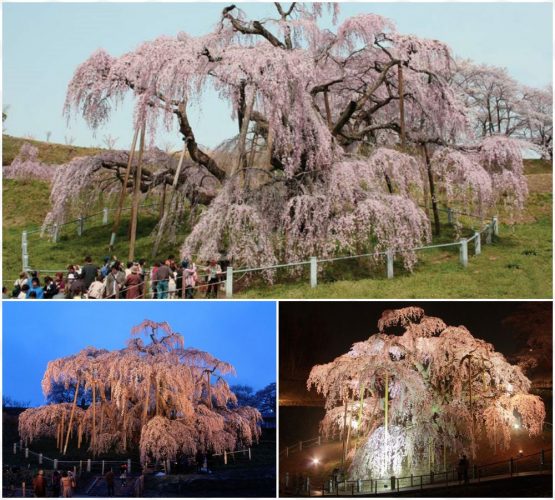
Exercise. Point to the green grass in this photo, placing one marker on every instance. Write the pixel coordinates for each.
(517, 265)
(51, 153)
(25, 206)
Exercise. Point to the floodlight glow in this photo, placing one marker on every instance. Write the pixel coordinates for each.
(315, 461)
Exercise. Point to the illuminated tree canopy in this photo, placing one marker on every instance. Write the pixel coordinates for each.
(158, 396)
(402, 401)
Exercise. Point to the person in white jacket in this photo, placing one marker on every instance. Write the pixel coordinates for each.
(96, 290)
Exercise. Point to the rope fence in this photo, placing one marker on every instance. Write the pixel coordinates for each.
(228, 278)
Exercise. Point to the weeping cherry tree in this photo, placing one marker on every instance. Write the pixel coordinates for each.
(409, 402)
(159, 397)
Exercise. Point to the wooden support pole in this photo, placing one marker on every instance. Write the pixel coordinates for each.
(136, 194)
(117, 219)
(71, 415)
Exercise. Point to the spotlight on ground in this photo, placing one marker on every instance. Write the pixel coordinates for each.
(315, 461)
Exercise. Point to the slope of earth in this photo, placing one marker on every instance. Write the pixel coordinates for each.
(516, 265)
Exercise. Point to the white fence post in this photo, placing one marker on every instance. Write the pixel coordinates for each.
(225, 457)
(105, 216)
(464, 252)
(40, 458)
(250, 456)
(55, 235)
(300, 446)
(229, 283)
(88, 464)
(495, 224)
(450, 216)
(24, 253)
(15, 448)
(23, 489)
(313, 272)
(80, 225)
(26, 452)
(390, 257)
(477, 243)
(112, 239)
(319, 440)
(55, 464)
(129, 466)
(102, 467)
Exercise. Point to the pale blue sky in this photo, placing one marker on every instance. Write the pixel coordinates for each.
(43, 43)
(34, 333)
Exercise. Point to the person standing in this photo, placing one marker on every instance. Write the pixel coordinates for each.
(214, 273)
(162, 279)
(96, 290)
(66, 484)
(88, 272)
(114, 282)
(35, 287)
(153, 282)
(56, 484)
(133, 285)
(39, 484)
(50, 288)
(109, 477)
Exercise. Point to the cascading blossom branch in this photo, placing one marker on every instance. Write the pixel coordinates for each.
(404, 403)
(314, 169)
(26, 165)
(159, 397)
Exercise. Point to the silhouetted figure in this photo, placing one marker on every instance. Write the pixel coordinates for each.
(109, 477)
(39, 484)
(462, 469)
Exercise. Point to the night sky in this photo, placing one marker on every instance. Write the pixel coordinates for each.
(242, 333)
(317, 332)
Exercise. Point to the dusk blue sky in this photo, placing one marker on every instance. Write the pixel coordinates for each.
(241, 333)
(44, 43)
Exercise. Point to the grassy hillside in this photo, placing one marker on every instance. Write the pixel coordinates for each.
(518, 265)
(49, 152)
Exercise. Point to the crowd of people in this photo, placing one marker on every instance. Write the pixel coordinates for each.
(61, 483)
(166, 279)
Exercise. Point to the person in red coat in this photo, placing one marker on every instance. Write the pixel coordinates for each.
(134, 285)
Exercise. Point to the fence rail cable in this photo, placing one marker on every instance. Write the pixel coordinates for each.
(490, 229)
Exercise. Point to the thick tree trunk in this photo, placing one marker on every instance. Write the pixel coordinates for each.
(401, 104)
(435, 209)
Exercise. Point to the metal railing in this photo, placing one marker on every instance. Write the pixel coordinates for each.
(55, 229)
(490, 230)
(535, 463)
(302, 445)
